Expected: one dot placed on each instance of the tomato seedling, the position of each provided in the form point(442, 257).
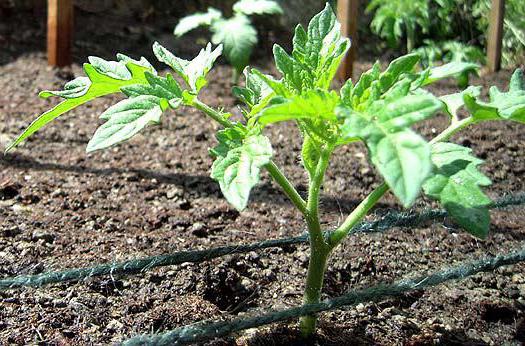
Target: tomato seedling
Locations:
point(236, 34)
point(379, 110)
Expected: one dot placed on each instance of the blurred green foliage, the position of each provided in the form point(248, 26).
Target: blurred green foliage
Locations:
point(448, 30)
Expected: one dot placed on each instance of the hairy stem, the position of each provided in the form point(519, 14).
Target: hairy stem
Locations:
point(288, 188)
point(313, 192)
point(411, 37)
point(212, 113)
point(452, 129)
point(314, 284)
point(357, 215)
point(319, 249)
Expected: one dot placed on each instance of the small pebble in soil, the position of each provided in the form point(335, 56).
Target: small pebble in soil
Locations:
point(40, 235)
point(198, 229)
point(174, 193)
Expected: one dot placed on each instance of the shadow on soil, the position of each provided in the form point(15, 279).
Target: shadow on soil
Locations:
point(198, 183)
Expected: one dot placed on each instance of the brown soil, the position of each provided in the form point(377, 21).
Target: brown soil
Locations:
point(62, 208)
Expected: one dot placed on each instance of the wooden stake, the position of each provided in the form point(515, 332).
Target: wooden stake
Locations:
point(59, 32)
point(348, 14)
point(495, 35)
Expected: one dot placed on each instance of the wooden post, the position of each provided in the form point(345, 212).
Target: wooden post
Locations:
point(59, 32)
point(348, 14)
point(495, 36)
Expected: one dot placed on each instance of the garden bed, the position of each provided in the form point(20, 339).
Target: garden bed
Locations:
point(62, 208)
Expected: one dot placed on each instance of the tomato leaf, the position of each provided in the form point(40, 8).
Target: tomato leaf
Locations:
point(256, 94)
point(193, 72)
point(454, 102)
point(103, 78)
point(401, 156)
point(238, 37)
point(316, 54)
point(238, 163)
point(502, 105)
point(126, 119)
point(456, 183)
point(314, 104)
point(195, 20)
point(456, 69)
point(258, 7)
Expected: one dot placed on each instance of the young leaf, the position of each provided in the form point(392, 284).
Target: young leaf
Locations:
point(346, 91)
point(193, 72)
point(401, 156)
point(73, 89)
point(456, 183)
point(195, 20)
point(142, 62)
point(395, 82)
point(316, 54)
point(102, 82)
point(113, 69)
point(454, 102)
point(314, 104)
point(396, 68)
point(452, 69)
point(126, 119)
point(358, 95)
point(503, 105)
point(324, 46)
point(238, 38)
point(250, 7)
point(238, 164)
point(295, 76)
point(255, 89)
point(162, 87)
point(277, 86)
point(310, 154)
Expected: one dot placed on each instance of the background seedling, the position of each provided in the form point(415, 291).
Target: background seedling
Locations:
point(236, 34)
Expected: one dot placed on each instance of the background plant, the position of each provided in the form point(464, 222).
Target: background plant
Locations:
point(451, 51)
point(513, 29)
point(379, 110)
point(396, 19)
point(448, 30)
point(236, 34)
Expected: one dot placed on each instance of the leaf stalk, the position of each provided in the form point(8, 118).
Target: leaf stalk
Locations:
point(274, 171)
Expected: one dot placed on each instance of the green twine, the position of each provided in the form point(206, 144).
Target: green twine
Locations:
point(134, 266)
point(208, 330)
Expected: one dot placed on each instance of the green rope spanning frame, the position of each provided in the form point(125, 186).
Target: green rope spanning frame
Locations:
point(388, 221)
point(208, 330)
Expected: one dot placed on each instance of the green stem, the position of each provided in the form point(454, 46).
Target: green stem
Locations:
point(411, 37)
point(452, 129)
point(357, 215)
point(318, 246)
point(212, 113)
point(236, 74)
point(313, 192)
point(314, 285)
point(287, 187)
